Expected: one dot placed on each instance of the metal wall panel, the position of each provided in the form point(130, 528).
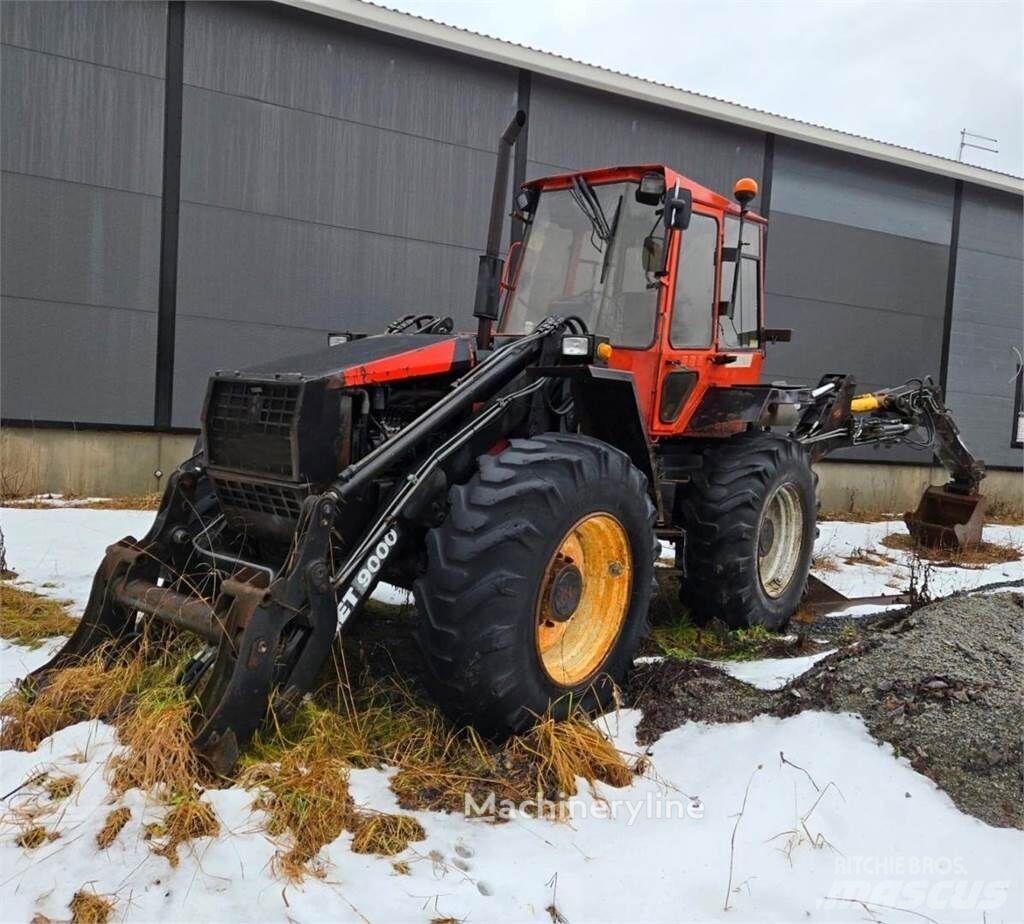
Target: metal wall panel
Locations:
point(64, 242)
point(991, 221)
point(82, 115)
point(75, 121)
point(258, 157)
point(128, 35)
point(302, 274)
point(573, 128)
point(302, 61)
point(854, 268)
point(77, 362)
point(331, 178)
point(837, 187)
point(987, 331)
point(880, 347)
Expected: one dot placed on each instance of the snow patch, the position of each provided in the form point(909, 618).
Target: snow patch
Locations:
point(771, 673)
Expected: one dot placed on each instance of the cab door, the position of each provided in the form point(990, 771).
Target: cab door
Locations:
point(688, 332)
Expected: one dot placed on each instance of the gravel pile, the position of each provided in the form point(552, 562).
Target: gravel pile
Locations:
point(943, 684)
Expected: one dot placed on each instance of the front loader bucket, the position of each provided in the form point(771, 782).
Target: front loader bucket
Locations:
point(267, 637)
point(947, 519)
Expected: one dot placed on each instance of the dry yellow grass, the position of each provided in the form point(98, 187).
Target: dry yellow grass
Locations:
point(28, 501)
point(862, 556)
point(561, 752)
point(32, 836)
point(60, 787)
point(116, 820)
point(988, 553)
point(102, 686)
point(824, 563)
point(89, 908)
point(93, 689)
point(130, 502)
point(857, 516)
point(28, 618)
point(189, 819)
point(302, 767)
point(306, 798)
point(385, 834)
point(157, 733)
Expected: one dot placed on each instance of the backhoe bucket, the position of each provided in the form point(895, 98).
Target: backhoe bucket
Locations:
point(947, 519)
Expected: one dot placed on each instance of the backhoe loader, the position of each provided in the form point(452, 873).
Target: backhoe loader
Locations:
point(516, 479)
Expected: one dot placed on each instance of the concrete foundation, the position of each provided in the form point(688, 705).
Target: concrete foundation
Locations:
point(91, 463)
point(876, 487)
point(103, 463)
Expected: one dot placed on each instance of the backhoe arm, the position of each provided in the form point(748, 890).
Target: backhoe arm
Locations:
point(950, 516)
point(920, 403)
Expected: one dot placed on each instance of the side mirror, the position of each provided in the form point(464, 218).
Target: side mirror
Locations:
point(653, 253)
point(678, 208)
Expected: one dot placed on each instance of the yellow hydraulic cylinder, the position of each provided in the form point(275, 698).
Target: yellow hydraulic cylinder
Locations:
point(861, 404)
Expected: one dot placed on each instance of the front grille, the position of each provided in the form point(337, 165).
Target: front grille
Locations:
point(275, 500)
point(250, 425)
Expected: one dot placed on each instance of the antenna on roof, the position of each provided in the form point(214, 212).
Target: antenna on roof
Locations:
point(970, 139)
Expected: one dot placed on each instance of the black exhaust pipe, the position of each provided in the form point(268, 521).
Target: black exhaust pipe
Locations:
point(488, 280)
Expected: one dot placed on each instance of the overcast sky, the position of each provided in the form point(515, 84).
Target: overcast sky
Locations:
point(911, 73)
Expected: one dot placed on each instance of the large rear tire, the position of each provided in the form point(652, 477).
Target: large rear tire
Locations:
point(538, 583)
point(749, 518)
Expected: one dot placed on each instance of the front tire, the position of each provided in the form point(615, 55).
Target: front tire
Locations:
point(538, 583)
point(750, 521)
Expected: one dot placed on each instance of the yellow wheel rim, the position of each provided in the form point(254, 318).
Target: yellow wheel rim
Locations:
point(583, 599)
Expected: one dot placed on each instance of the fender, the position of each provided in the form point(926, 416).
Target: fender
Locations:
point(607, 408)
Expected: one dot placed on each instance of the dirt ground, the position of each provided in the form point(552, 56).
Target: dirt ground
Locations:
point(944, 684)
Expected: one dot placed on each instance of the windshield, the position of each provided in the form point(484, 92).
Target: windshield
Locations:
point(583, 256)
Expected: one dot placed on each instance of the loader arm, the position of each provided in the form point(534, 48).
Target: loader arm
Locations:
point(271, 625)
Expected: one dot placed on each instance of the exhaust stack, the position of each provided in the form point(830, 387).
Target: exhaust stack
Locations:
point(488, 280)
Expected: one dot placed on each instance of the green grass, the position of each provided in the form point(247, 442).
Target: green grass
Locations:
point(679, 638)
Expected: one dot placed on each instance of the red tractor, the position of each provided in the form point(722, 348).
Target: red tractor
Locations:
point(516, 480)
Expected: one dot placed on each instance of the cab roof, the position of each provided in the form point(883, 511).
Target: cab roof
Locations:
point(632, 173)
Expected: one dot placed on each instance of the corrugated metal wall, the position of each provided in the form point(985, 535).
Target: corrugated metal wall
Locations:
point(334, 177)
point(988, 307)
point(82, 113)
point(331, 178)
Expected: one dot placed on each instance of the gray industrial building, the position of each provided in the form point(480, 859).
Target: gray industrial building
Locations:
point(193, 186)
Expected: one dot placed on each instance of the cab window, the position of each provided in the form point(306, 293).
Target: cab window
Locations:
point(739, 322)
point(693, 310)
point(573, 266)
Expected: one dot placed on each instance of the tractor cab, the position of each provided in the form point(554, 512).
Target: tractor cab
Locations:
point(647, 258)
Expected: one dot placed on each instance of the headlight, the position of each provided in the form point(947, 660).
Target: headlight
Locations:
point(576, 346)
